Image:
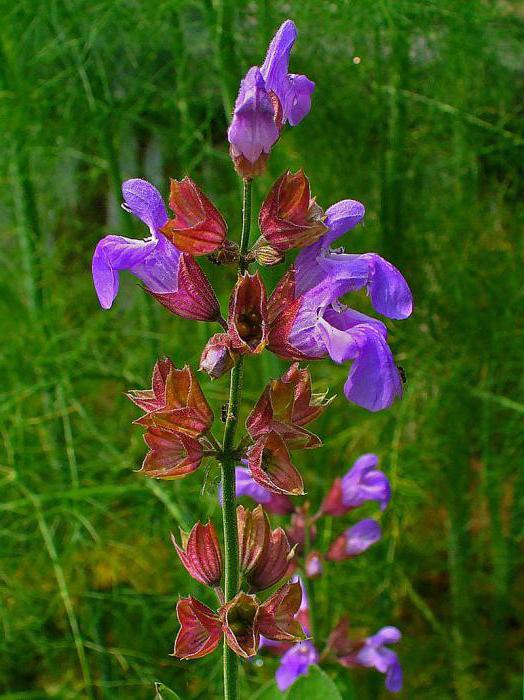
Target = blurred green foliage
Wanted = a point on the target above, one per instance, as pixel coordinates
(416, 114)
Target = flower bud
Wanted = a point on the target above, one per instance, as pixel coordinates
(198, 227)
(218, 357)
(200, 630)
(200, 554)
(253, 535)
(290, 217)
(314, 566)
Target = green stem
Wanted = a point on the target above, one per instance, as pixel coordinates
(229, 516)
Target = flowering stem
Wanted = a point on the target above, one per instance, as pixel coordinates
(229, 516)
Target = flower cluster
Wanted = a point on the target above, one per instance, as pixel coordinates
(363, 483)
(305, 317)
(265, 556)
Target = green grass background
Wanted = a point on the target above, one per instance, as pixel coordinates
(427, 131)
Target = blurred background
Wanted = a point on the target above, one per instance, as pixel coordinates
(416, 113)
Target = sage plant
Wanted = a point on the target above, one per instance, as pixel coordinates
(302, 319)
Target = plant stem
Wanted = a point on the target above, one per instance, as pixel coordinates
(229, 516)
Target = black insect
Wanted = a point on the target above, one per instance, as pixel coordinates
(223, 412)
(403, 374)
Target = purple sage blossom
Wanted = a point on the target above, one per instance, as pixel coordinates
(323, 326)
(362, 483)
(269, 97)
(374, 654)
(154, 260)
(295, 663)
(365, 483)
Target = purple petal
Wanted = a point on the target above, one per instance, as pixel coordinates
(295, 663)
(247, 486)
(253, 129)
(341, 217)
(361, 536)
(145, 202)
(386, 635)
(394, 677)
(309, 272)
(276, 63)
(389, 291)
(155, 262)
(293, 91)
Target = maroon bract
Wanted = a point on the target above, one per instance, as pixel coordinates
(290, 217)
(247, 318)
(276, 618)
(194, 297)
(175, 402)
(200, 554)
(198, 227)
(271, 467)
(200, 631)
(239, 622)
(273, 563)
(171, 455)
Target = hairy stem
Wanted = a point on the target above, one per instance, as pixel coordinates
(229, 515)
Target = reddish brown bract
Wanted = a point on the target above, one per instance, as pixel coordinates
(289, 217)
(239, 622)
(247, 318)
(285, 406)
(271, 466)
(171, 455)
(175, 402)
(200, 554)
(200, 630)
(198, 227)
(276, 617)
(194, 297)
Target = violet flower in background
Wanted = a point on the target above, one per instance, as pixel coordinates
(171, 277)
(374, 654)
(355, 540)
(269, 97)
(295, 663)
(362, 483)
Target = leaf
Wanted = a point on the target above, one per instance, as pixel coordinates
(268, 692)
(313, 686)
(164, 693)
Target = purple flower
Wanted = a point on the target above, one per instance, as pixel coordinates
(361, 483)
(365, 483)
(374, 654)
(313, 324)
(355, 540)
(172, 277)
(247, 486)
(294, 663)
(153, 260)
(269, 97)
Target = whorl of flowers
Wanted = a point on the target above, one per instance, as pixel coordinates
(306, 317)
